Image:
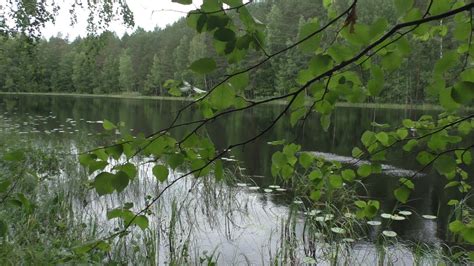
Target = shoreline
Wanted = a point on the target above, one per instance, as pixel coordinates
(280, 102)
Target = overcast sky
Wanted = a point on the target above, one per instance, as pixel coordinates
(148, 15)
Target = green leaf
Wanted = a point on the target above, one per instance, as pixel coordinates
(364, 170)
(424, 157)
(376, 82)
(103, 183)
(402, 194)
(335, 181)
(222, 97)
(445, 164)
(315, 195)
(320, 64)
(161, 172)
(403, 6)
(402, 133)
(463, 92)
(357, 152)
(410, 145)
(311, 44)
(360, 203)
(306, 160)
(297, 115)
(120, 181)
(175, 160)
(128, 169)
(315, 175)
(141, 221)
(382, 137)
(203, 66)
(456, 226)
(348, 175)
(325, 122)
(224, 35)
(240, 81)
(183, 2)
(108, 125)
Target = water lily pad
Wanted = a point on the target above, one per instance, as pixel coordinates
(429, 217)
(374, 223)
(267, 190)
(338, 230)
(405, 213)
(348, 240)
(386, 216)
(398, 217)
(389, 233)
(309, 260)
(320, 219)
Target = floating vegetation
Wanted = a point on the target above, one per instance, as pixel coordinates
(254, 188)
(374, 223)
(405, 213)
(281, 189)
(274, 186)
(397, 217)
(338, 230)
(388, 233)
(267, 190)
(386, 216)
(429, 217)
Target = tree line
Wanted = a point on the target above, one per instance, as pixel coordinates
(143, 62)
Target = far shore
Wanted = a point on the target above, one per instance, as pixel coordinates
(281, 102)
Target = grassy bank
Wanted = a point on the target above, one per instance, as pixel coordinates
(281, 102)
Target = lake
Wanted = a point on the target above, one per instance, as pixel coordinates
(232, 222)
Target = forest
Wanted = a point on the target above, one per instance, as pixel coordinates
(142, 62)
(265, 132)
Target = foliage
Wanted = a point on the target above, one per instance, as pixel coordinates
(344, 58)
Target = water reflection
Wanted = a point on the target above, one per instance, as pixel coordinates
(241, 224)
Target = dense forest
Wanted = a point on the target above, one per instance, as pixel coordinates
(142, 62)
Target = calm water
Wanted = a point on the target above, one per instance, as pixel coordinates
(256, 234)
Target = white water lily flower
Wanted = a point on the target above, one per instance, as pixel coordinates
(397, 217)
(254, 188)
(389, 233)
(429, 217)
(386, 216)
(274, 186)
(374, 223)
(405, 213)
(338, 230)
(267, 190)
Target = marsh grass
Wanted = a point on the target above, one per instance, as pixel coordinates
(199, 221)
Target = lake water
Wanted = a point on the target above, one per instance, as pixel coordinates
(237, 224)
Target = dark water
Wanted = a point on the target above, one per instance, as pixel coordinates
(348, 124)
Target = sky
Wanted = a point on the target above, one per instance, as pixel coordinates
(148, 15)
